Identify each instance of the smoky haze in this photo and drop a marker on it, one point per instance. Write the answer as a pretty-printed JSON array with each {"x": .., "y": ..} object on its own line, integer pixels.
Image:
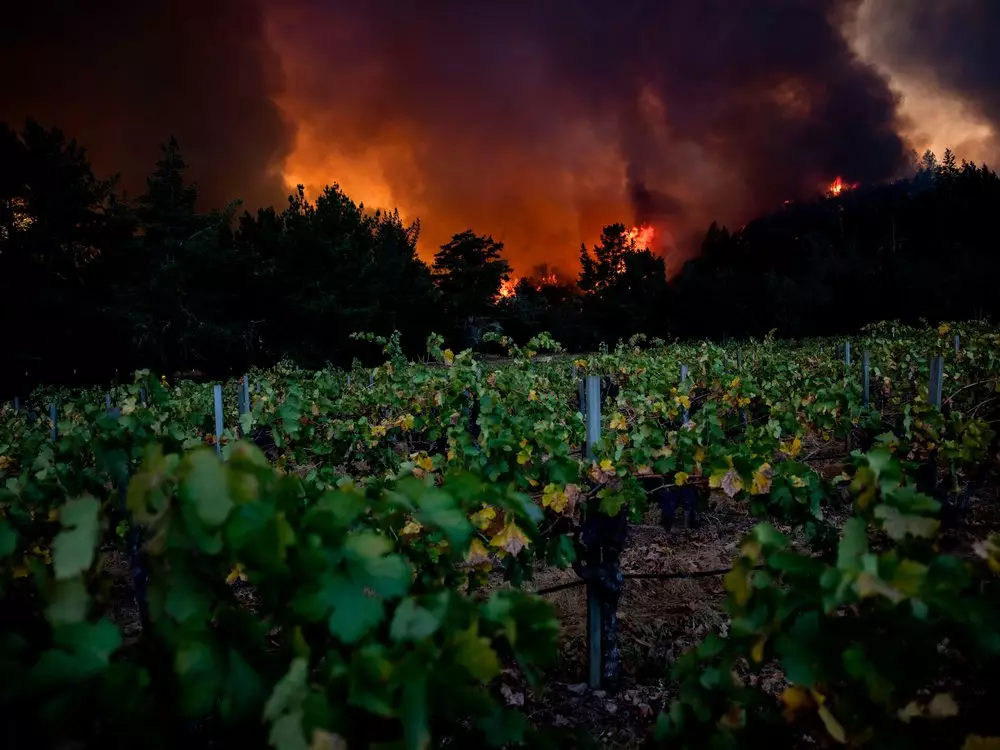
[
  {"x": 535, "y": 122},
  {"x": 122, "y": 77},
  {"x": 948, "y": 45}
]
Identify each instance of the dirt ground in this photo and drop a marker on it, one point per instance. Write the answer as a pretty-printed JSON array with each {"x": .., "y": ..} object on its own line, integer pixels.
[
  {"x": 658, "y": 621},
  {"x": 661, "y": 619}
]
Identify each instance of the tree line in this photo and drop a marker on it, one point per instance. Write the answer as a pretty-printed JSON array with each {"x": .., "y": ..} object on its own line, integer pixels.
[{"x": 93, "y": 281}]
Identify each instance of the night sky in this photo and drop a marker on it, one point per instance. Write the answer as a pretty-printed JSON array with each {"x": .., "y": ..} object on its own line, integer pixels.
[{"x": 537, "y": 122}]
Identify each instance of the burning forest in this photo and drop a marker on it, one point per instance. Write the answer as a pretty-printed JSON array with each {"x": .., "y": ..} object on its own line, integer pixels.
[{"x": 539, "y": 123}]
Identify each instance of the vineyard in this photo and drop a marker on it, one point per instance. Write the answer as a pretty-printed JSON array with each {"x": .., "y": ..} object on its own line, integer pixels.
[{"x": 688, "y": 545}]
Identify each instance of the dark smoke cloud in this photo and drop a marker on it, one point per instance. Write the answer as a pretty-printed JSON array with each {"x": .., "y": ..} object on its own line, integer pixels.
[
  {"x": 122, "y": 77},
  {"x": 951, "y": 44},
  {"x": 712, "y": 108},
  {"x": 537, "y": 122}
]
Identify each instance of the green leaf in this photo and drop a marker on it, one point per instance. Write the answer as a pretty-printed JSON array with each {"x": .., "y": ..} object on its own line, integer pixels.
[
  {"x": 414, "y": 622},
  {"x": 244, "y": 690},
  {"x": 290, "y": 691},
  {"x": 366, "y": 546},
  {"x": 286, "y": 732},
  {"x": 370, "y": 680},
  {"x": 801, "y": 651},
  {"x": 899, "y": 526},
  {"x": 438, "y": 509},
  {"x": 199, "y": 670},
  {"x": 90, "y": 644},
  {"x": 853, "y": 544},
  {"x": 355, "y": 613},
  {"x": 8, "y": 539},
  {"x": 389, "y": 576},
  {"x": 68, "y": 603},
  {"x": 611, "y": 502},
  {"x": 413, "y": 714},
  {"x": 475, "y": 653},
  {"x": 184, "y": 601},
  {"x": 74, "y": 547},
  {"x": 204, "y": 487}
]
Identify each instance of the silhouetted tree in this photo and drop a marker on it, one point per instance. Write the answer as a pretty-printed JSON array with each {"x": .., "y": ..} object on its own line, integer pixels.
[
  {"x": 625, "y": 287},
  {"x": 90, "y": 282},
  {"x": 469, "y": 271}
]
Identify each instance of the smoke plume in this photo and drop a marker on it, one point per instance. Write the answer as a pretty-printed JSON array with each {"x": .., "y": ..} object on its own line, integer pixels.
[
  {"x": 536, "y": 122},
  {"x": 122, "y": 77},
  {"x": 947, "y": 52}
]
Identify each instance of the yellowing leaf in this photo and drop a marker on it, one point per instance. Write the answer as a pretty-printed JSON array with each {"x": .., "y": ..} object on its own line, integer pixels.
[
  {"x": 412, "y": 527},
  {"x": 978, "y": 742},
  {"x": 607, "y": 466},
  {"x": 236, "y": 574},
  {"x": 868, "y": 585},
  {"x": 989, "y": 550},
  {"x": 680, "y": 478},
  {"x": 762, "y": 480},
  {"x": 483, "y": 518},
  {"x": 406, "y": 422},
  {"x": 734, "y": 718},
  {"x": 732, "y": 483},
  {"x": 425, "y": 463},
  {"x": 683, "y": 401},
  {"x": 477, "y": 553},
  {"x": 796, "y": 700},
  {"x": 511, "y": 539},
  {"x": 791, "y": 448},
  {"x": 941, "y": 706},
  {"x": 833, "y": 727},
  {"x": 532, "y": 395},
  {"x": 757, "y": 652},
  {"x": 737, "y": 583},
  {"x": 449, "y": 357},
  {"x": 554, "y": 498},
  {"x": 943, "y": 329},
  {"x": 618, "y": 422}
]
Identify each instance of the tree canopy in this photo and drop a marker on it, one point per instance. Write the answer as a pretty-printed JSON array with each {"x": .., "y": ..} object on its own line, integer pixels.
[{"x": 93, "y": 281}]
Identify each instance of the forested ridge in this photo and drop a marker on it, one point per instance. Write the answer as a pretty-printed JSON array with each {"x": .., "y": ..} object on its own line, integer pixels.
[{"x": 94, "y": 281}]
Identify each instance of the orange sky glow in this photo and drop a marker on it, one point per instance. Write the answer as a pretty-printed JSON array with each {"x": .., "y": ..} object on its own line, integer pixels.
[{"x": 541, "y": 213}]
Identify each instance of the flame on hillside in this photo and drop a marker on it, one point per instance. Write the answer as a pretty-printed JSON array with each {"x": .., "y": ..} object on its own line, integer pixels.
[
  {"x": 641, "y": 236},
  {"x": 838, "y": 186},
  {"x": 509, "y": 288}
]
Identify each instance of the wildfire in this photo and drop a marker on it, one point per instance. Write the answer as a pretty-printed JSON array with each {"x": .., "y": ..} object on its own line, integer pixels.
[
  {"x": 838, "y": 186},
  {"x": 642, "y": 235},
  {"x": 508, "y": 288}
]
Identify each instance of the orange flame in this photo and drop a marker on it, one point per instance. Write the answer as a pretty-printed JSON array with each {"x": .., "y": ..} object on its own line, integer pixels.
[
  {"x": 508, "y": 288},
  {"x": 642, "y": 235},
  {"x": 838, "y": 186}
]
